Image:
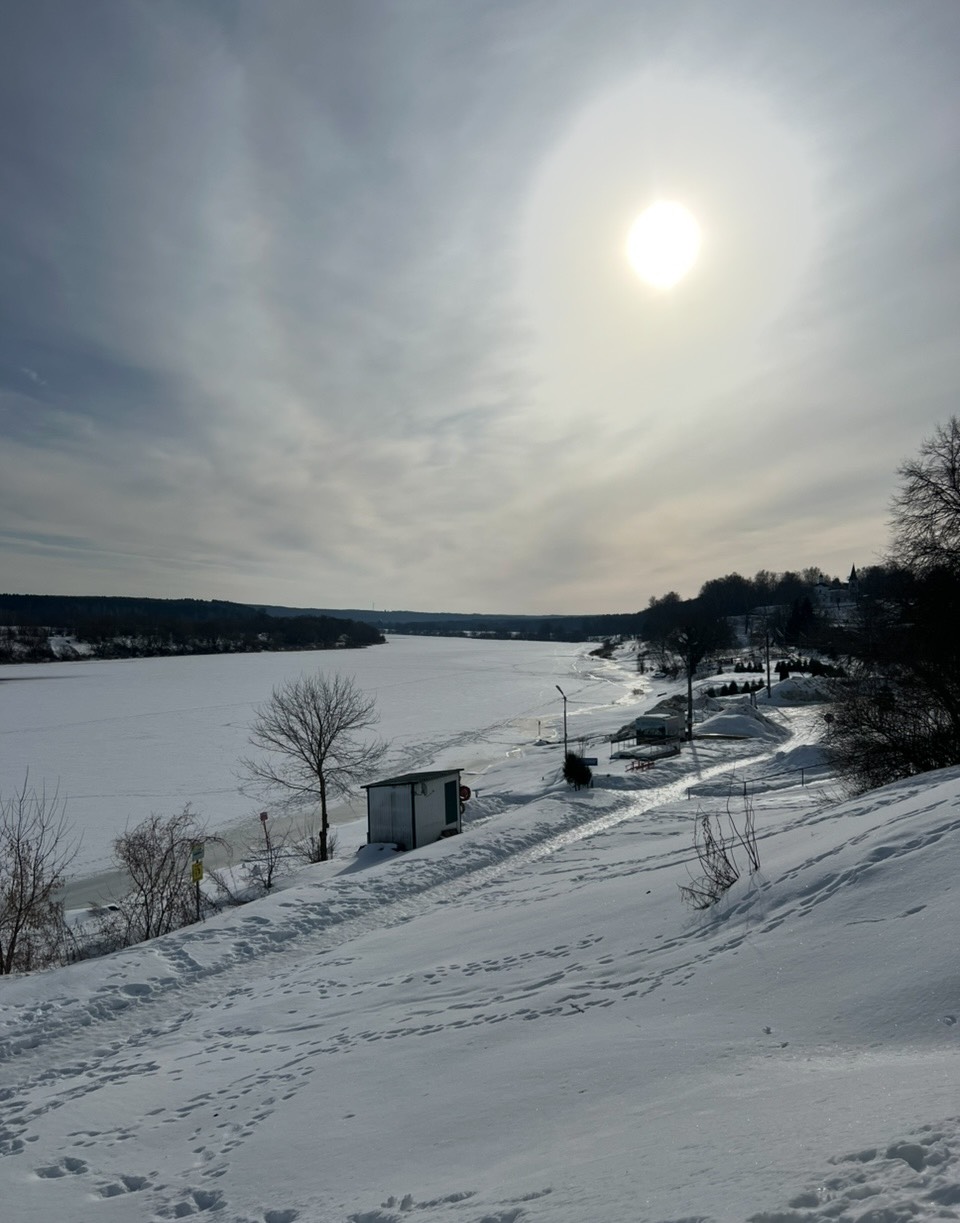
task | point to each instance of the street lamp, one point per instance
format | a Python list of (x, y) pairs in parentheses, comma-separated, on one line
[(564, 695)]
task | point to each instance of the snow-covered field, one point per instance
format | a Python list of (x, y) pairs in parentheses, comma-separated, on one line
[(524, 1024), (127, 738)]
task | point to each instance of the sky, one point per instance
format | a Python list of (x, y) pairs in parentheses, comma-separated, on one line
[(328, 304)]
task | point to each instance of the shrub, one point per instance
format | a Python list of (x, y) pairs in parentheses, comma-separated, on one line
[(575, 772), (715, 850), (156, 858)]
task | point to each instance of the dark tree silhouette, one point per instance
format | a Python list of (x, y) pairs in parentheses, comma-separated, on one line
[(926, 509)]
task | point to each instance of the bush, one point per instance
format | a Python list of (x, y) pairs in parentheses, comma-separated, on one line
[(156, 858), (307, 846), (575, 772), (715, 850)]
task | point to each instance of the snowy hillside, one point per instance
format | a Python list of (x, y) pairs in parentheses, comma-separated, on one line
[(524, 1024)]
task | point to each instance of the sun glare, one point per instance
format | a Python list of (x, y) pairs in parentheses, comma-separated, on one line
[(663, 244)]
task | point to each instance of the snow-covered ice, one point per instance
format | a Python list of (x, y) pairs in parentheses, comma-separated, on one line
[(126, 738), (524, 1024)]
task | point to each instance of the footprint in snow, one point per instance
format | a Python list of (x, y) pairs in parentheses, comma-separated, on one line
[(66, 1167)]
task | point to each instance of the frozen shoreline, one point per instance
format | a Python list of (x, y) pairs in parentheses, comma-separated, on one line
[(475, 751)]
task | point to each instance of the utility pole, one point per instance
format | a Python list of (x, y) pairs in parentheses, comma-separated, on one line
[(766, 641), (564, 695)]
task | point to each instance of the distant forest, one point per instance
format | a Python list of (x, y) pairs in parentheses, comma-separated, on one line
[(129, 627), (482, 624), (732, 595), (136, 628)]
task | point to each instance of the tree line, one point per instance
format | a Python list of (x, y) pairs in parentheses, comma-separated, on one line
[(893, 669), (898, 712), (770, 612), (128, 627)]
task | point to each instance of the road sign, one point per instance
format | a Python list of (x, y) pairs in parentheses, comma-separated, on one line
[(196, 852), (196, 872)]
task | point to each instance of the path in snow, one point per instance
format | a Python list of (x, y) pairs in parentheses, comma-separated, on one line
[(145, 1085), (328, 914)]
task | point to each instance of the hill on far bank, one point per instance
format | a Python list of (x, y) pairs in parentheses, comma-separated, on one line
[(37, 628)]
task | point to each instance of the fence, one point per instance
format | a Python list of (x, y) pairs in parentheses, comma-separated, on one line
[(756, 785)]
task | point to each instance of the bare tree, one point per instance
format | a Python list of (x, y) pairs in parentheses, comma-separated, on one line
[(156, 857), (270, 854), (35, 851), (698, 634), (766, 631), (312, 727), (926, 511)]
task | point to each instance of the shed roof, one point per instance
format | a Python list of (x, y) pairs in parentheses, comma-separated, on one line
[(406, 779)]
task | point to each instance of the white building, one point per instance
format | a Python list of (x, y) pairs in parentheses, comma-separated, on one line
[(414, 809)]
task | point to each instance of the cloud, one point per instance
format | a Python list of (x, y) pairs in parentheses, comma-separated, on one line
[(327, 305)]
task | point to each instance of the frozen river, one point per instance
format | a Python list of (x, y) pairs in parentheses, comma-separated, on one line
[(126, 738)]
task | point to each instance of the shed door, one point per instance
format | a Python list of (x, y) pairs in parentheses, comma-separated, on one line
[(390, 815), (451, 802)]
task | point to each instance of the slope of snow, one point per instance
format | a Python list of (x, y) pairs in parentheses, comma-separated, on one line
[(524, 1024)]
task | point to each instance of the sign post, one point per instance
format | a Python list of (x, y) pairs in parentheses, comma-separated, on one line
[(196, 870)]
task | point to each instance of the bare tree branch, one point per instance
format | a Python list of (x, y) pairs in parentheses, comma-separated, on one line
[(925, 513), (35, 851), (312, 729), (156, 856)]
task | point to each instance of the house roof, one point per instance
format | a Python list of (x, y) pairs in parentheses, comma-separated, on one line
[(406, 779)]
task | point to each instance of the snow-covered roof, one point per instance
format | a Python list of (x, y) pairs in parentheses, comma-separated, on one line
[(413, 778)]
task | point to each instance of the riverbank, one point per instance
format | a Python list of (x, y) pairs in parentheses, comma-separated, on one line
[(122, 740)]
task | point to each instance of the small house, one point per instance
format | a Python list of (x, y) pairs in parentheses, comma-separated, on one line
[(659, 726), (650, 728), (414, 809)]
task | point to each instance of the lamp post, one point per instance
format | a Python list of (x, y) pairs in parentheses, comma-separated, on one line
[(564, 695)]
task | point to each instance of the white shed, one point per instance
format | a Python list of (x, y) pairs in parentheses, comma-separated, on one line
[(414, 809), (650, 728)]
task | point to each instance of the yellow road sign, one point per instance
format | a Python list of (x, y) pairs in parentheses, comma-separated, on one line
[(196, 872)]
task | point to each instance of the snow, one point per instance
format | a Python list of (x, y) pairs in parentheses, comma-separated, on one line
[(524, 1024), (740, 721), (796, 689), (125, 738)]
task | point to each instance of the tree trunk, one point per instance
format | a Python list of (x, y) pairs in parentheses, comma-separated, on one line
[(323, 819)]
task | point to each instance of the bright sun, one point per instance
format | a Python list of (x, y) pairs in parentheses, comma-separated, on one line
[(663, 244)]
